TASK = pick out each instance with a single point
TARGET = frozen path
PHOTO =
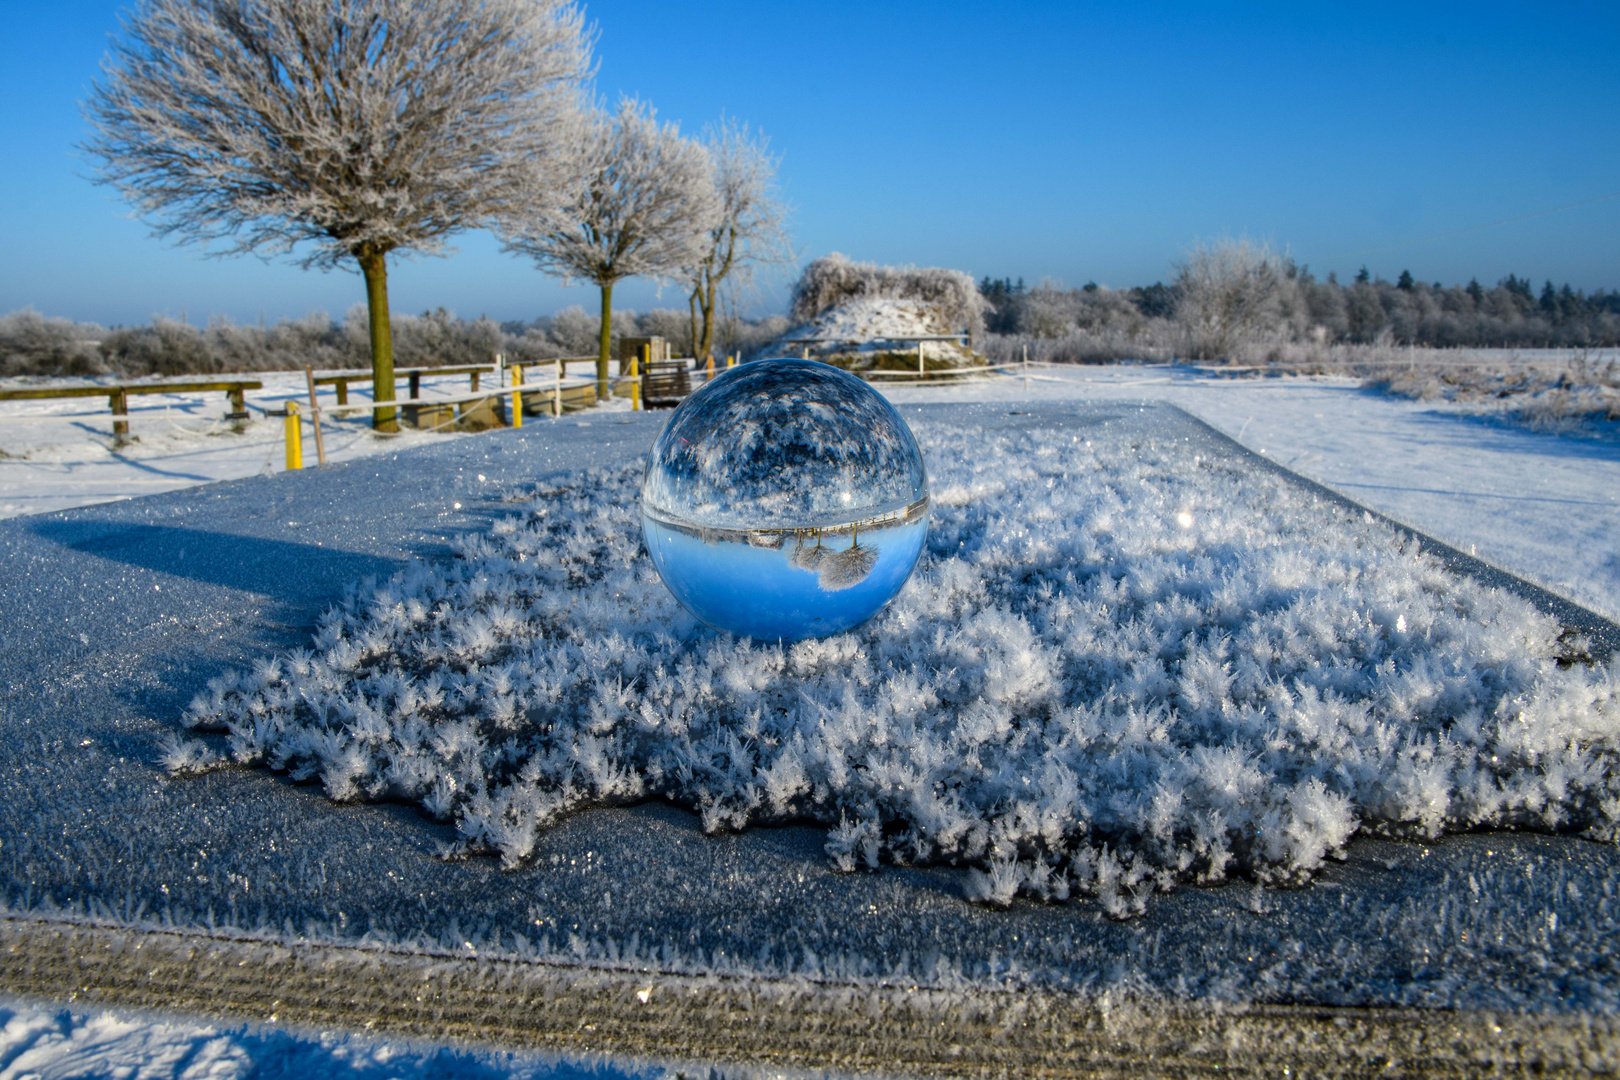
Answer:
(1543, 506)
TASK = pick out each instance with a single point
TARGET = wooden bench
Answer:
(117, 395)
(666, 384)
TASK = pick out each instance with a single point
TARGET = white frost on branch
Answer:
(644, 207)
(1117, 670)
(347, 126)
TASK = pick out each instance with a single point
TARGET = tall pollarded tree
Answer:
(750, 231)
(644, 207)
(339, 129)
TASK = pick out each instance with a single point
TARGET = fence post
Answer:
(517, 395)
(1026, 367)
(635, 376)
(920, 372)
(731, 360)
(315, 416)
(556, 393)
(295, 438)
(120, 407)
(709, 373)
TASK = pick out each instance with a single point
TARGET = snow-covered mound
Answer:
(875, 333)
(1119, 667)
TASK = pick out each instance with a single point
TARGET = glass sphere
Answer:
(785, 499)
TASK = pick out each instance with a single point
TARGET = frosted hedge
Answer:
(1119, 668)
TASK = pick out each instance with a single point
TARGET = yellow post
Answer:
(635, 376)
(731, 361)
(710, 372)
(295, 438)
(517, 395)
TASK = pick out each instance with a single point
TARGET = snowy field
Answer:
(57, 1042)
(60, 453)
(1543, 506)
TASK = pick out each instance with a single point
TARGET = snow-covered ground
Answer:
(57, 1042)
(1126, 663)
(1543, 506)
(60, 453)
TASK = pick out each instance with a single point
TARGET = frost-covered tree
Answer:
(645, 206)
(1228, 292)
(751, 229)
(342, 129)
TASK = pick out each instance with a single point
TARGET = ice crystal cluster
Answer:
(1118, 668)
(784, 500)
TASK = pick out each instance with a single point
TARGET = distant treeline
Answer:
(1296, 305)
(34, 344)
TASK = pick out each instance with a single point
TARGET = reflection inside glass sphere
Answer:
(786, 499)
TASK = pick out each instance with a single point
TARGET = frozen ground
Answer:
(118, 615)
(60, 453)
(1540, 505)
(58, 1042)
(1125, 664)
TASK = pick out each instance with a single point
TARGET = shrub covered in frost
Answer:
(1115, 671)
(833, 279)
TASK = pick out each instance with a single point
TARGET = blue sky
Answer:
(1067, 141)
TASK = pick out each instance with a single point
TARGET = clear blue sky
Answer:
(1065, 140)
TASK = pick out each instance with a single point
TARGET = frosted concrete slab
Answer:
(116, 615)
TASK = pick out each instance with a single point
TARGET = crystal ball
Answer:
(785, 499)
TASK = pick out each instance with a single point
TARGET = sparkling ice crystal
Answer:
(784, 500)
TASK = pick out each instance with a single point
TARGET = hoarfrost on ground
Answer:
(1121, 667)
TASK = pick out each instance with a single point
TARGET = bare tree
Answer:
(347, 129)
(1228, 293)
(751, 229)
(645, 207)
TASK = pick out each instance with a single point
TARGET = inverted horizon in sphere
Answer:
(785, 499)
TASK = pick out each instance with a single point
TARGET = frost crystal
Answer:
(1076, 692)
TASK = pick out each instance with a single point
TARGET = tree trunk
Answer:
(375, 266)
(708, 316)
(694, 335)
(701, 303)
(604, 389)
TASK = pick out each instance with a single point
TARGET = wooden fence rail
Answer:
(118, 394)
